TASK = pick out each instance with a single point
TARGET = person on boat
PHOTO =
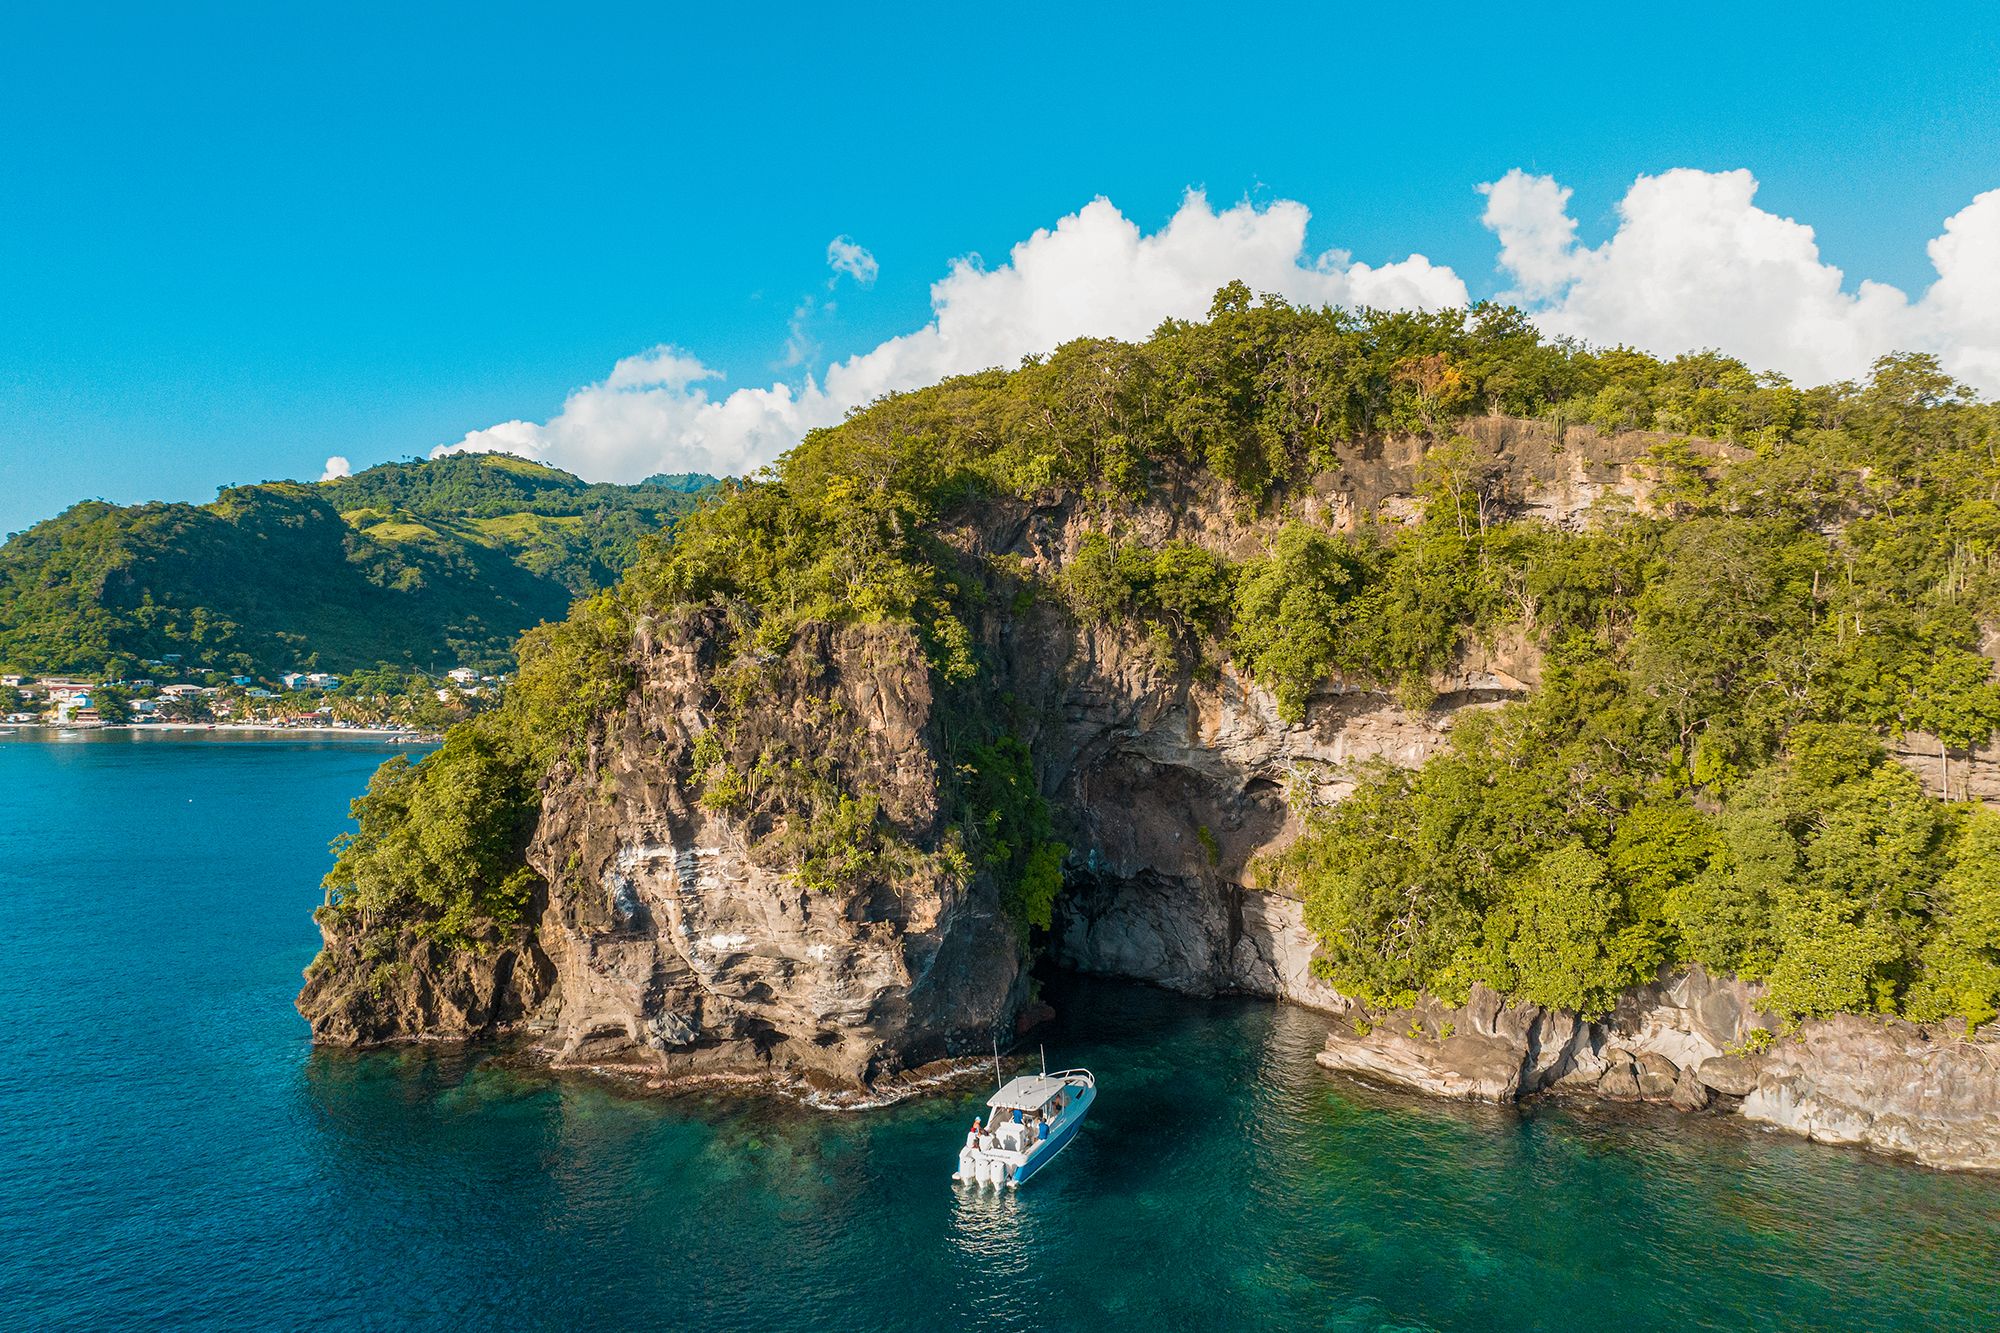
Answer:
(972, 1138)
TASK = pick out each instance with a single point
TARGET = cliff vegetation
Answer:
(1700, 777)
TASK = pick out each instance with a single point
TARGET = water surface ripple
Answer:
(173, 1154)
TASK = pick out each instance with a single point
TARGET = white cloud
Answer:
(800, 345)
(1964, 303)
(1695, 263)
(1094, 274)
(653, 413)
(844, 256)
(1530, 215)
(1692, 263)
(336, 468)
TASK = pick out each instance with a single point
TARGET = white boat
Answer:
(1031, 1119)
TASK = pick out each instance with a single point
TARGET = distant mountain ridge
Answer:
(423, 565)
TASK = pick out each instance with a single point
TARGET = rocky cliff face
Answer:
(361, 991)
(674, 936)
(680, 939)
(677, 935)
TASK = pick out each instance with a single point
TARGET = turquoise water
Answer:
(172, 1153)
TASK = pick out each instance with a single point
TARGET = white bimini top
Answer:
(1030, 1092)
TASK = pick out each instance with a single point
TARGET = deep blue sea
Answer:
(173, 1154)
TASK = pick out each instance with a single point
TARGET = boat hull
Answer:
(1002, 1167)
(1045, 1151)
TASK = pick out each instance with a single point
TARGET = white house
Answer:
(463, 675)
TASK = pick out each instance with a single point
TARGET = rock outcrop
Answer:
(1888, 1085)
(1691, 1040)
(682, 941)
(363, 990)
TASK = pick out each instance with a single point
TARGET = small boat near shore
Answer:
(1032, 1118)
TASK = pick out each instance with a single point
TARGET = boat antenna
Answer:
(1045, 1057)
(996, 1060)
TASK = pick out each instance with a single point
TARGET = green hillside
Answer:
(424, 565)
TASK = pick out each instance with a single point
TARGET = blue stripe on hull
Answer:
(1049, 1147)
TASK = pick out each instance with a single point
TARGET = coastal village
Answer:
(166, 694)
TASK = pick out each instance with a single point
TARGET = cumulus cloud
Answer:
(1695, 263)
(1095, 273)
(336, 468)
(844, 256)
(654, 412)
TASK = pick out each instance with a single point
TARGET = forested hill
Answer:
(425, 565)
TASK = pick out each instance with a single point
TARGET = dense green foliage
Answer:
(441, 844)
(1701, 773)
(1700, 776)
(1007, 821)
(442, 839)
(422, 565)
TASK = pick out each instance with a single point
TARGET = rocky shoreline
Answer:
(1700, 1043)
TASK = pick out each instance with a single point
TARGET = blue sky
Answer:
(234, 242)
